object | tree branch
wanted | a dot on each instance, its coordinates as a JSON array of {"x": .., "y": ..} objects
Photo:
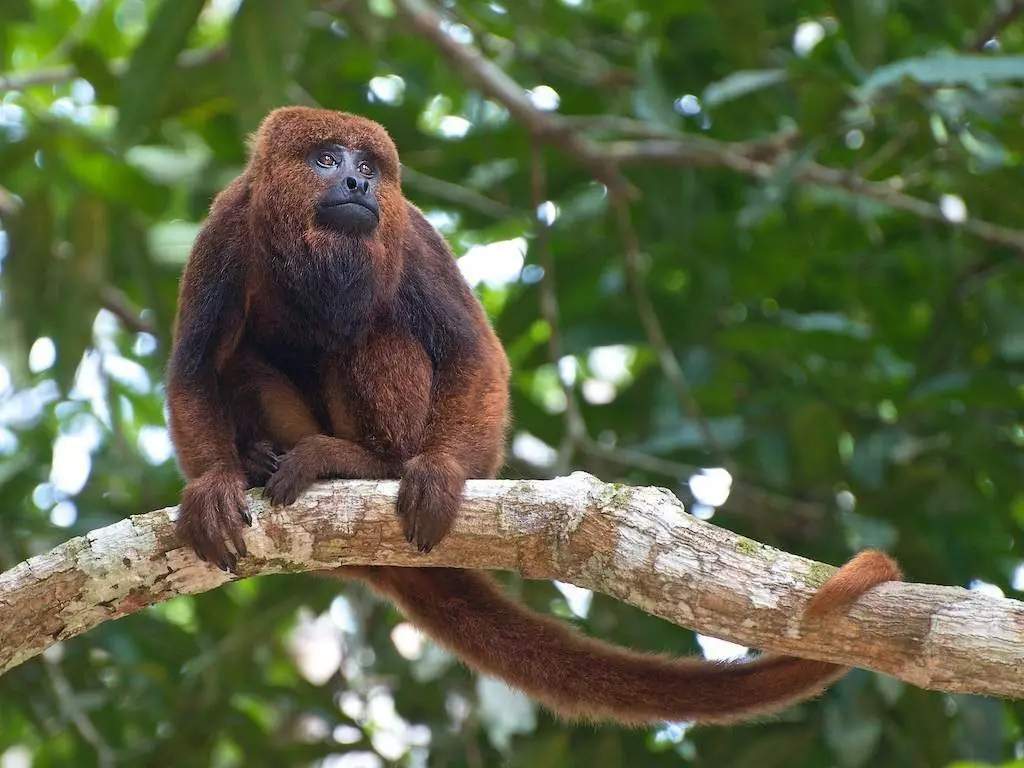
[
  {"x": 604, "y": 160},
  {"x": 1004, "y": 15},
  {"x": 118, "y": 304},
  {"x": 636, "y": 544},
  {"x": 698, "y": 151},
  {"x": 58, "y": 75}
]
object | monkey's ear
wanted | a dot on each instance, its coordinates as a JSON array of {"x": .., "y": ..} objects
[{"x": 212, "y": 300}]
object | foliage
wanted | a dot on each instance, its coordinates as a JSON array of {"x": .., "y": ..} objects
[{"x": 854, "y": 354}]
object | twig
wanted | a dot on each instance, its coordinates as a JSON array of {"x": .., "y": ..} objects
[
  {"x": 996, "y": 23},
  {"x": 653, "y": 329},
  {"x": 635, "y": 544},
  {"x": 118, "y": 304},
  {"x": 709, "y": 153},
  {"x": 19, "y": 81},
  {"x": 455, "y": 193},
  {"x": 798, "y": 518},
  {"x": 68, "y": 702}
]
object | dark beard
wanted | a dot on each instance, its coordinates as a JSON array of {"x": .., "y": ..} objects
[{"x": 329, "y": 295}]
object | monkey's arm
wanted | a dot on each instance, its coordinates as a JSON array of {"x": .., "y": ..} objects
[
  {"x": 201, "y": 428},
  {"x": 211, "y": 317}
]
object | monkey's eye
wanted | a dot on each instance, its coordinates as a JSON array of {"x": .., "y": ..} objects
[
  {"x": 365, "y": 169},
  {"x": 326, "y": 160}
]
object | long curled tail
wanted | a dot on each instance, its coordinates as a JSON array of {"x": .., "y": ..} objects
[{"x": 578, "y": 677}]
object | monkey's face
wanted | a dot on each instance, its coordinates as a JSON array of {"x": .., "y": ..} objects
[
  {"x": 350, "y": 205},
  {"x": 325, "y": 183}
]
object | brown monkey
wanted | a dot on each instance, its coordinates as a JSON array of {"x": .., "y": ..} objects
[{"x": 324, "y": 330}]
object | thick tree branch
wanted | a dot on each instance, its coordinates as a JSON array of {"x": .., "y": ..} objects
[{"x": 636, "y": 544}]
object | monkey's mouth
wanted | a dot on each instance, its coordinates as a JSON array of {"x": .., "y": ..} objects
[{"x": 350, "y": 216}]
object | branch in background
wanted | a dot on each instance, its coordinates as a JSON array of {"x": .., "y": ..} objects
[
  {"x": 636, "y": 544},
  {"x": 455, "y": 193},
  {"x": 605, "y": 159},
  {"x": 490, "y": 79},
  {"x": 710, "y": 153},
  {"x": 655, "y": 333},
  {"x": 1001, "y": 18},
  {"x": 19, "y": 81},
  {"x": 75, "y": 713},
  {"x": 792, "y": 518},
  {"x": 575, "y": 428},
  {"x": 118, "y": 304}
]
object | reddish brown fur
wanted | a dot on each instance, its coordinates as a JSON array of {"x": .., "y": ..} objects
[{"x": 301, "y": 353}]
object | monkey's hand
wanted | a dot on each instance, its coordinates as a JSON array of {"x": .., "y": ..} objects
[
  {"x": 212, "y": 513},
  {"x": 428, "y": 498},
  {"x": 259, "y": 461}
]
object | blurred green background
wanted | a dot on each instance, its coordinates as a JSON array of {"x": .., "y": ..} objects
[{"x": 818, "y": 340}]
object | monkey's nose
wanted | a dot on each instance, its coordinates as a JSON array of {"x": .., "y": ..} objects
[{"x": 353, "y": 184}]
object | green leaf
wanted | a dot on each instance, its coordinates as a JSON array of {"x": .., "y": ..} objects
[
  {"x": 964, "y": 70},
  {"x": 151, "y": 64},
  {"x": 92, "y": 66},
  {"x": 15, "y": 10},
  {"x": 112, "y": 178},
  {"x": 741, "y": 83},
  {"x": 266, "y": 36}
]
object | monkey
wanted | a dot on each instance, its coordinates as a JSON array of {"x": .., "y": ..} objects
[{"x": 324, "y": 330}]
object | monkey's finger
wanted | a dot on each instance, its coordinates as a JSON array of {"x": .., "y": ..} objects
[
  {"x": 407, "y": 510},
  {"x": 238, "y": 541},
  {"x": 271, "y": 461},
  {"x": 218, "y": 533},
  {"x": 241, "y": 504},
  {"x": 264, "y": 462}
]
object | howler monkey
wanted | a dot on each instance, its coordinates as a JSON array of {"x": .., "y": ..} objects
[{"x": 324, "y": 330}]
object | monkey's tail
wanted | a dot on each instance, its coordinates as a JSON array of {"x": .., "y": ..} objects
[{"x": 578, "y": 677}]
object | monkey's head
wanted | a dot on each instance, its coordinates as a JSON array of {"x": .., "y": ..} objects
[{"x": 327, "y": 179}]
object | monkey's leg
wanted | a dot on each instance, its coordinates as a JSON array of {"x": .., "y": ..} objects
[
  {"x": 287, "y": 423},
  {"x": 269, "y": 412},
  {"x": 377, "y": 406}
]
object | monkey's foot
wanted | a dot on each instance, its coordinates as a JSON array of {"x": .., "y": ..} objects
[
  {"x": 294, "y": 474},
  {"x": 259, "y": 462},
  {"x": 428, "y": 498},
  {"x": 212, "y": 513}
]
